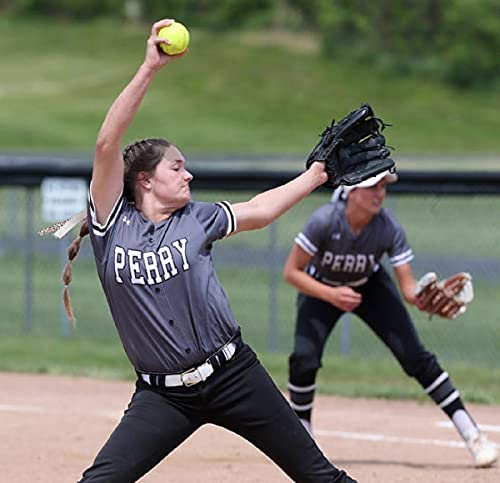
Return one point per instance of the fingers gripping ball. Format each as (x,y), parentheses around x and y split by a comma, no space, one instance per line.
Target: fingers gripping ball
(447,298)
(178,36)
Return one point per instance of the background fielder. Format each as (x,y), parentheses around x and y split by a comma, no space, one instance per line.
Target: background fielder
(335,265)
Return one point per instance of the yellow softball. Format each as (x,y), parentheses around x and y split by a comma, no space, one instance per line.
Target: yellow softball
(178,36)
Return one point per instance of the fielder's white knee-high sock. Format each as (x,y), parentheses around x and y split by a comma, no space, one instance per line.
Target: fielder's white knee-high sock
(464,424)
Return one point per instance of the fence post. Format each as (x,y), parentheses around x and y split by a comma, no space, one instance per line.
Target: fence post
(13,205)
(273,287)
(28,263)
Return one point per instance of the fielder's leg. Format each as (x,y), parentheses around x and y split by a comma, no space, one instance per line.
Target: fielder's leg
(315,321)
(383,310)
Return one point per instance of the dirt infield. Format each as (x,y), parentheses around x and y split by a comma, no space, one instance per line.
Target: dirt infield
(52,427)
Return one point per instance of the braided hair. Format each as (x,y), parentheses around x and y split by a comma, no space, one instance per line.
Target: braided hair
(139,156)
(66,276)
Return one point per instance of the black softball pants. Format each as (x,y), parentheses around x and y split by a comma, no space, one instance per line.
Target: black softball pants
(383,310)
(240,396)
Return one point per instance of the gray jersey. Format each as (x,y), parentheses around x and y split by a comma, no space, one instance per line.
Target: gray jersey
(340,257)
(170,310)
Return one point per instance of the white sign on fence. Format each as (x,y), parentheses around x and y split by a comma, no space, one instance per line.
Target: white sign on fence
(62,198)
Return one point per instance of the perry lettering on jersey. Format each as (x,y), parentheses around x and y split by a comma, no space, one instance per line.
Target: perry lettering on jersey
(348,263)
(153,267)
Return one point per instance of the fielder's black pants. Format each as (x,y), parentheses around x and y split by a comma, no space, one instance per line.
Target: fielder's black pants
(240,396)
(383,310)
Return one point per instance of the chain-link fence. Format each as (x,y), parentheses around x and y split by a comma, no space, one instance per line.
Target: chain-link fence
(448,233)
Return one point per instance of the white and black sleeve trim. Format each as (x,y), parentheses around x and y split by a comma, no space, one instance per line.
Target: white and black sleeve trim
(101,229)
(231,218)
(303,242)
(402,258)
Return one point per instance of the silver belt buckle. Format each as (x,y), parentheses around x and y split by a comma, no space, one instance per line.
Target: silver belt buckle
(192,377)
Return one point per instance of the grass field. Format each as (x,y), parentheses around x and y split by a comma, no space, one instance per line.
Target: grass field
(260,92)
(345,376)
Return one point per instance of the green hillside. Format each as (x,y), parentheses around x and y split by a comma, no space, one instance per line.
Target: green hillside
(268,92)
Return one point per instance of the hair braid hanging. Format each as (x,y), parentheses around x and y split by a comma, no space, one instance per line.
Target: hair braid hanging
(73,250)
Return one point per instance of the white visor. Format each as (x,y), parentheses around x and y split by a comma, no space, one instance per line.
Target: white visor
(368,183)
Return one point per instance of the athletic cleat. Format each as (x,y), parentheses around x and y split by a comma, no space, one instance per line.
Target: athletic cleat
(483,451)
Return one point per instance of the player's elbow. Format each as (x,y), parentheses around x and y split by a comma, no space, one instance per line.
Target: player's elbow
(288,274)
(101,148)
(104,145)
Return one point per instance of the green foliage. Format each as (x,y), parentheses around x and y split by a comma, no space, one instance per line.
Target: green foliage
(74,9)
(307,9)
(457,40)
(222,14)
(470,42)
(385,27)
(207,13)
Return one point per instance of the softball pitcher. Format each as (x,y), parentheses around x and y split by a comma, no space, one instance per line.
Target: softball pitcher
(335,265)
(152,246)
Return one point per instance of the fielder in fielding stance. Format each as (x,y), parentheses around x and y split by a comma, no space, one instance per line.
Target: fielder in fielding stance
(152,246)
(334,264)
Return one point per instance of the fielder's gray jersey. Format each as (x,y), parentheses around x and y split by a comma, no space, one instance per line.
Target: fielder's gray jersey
(170,310)
(340,257)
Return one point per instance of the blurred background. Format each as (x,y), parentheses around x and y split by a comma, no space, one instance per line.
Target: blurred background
(245,105)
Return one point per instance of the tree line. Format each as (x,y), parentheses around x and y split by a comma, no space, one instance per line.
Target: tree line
(457,41)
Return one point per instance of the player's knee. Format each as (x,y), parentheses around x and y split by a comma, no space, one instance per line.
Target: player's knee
(303,365)
(423,367)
